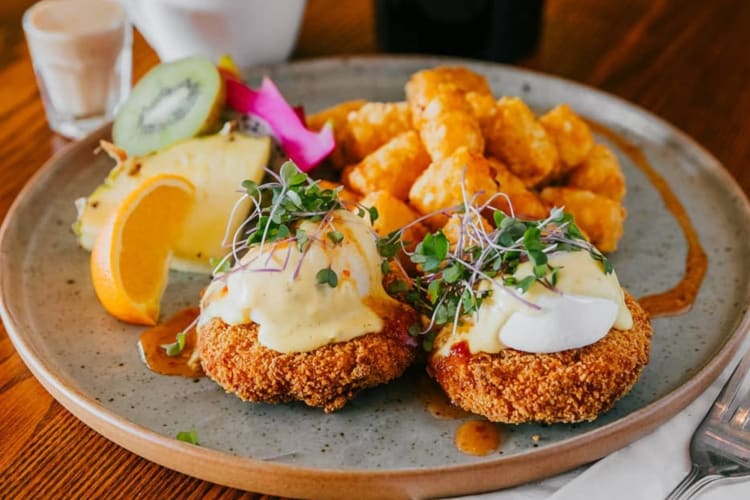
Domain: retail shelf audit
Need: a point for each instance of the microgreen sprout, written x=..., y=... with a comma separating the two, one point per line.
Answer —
x=277, y=209
x=454, y=278
x=176, y=347
x=190, y=436
x=327, y=276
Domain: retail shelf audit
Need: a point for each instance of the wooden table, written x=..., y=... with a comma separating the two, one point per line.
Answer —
x=686, y=61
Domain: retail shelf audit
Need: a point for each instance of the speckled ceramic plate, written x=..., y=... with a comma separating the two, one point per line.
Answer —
x=385, y=443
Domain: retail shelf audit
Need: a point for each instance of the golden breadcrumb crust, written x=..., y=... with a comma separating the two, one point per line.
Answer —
x=570, y=386
x=326, y=377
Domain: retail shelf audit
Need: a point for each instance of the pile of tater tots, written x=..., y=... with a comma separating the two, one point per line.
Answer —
x=412, y=158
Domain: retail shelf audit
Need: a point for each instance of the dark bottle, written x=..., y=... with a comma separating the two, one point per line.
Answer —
x=495, y=30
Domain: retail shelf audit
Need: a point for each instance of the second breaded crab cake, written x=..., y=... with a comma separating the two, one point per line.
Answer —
x=560, y=353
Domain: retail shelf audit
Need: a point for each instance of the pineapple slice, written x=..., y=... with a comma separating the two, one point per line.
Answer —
x=216, y=165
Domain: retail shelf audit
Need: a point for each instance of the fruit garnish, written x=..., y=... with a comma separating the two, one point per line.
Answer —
x=216, y=165
x=173, y=101
x=130, y=259
x=228, y=67
x=304, y=147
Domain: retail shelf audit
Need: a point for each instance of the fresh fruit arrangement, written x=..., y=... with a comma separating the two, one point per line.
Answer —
x=215, y=164
x=129, y=258
x=172, y=102
x=171, y=128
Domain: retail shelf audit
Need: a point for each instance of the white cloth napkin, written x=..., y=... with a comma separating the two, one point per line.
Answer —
x=648, y=468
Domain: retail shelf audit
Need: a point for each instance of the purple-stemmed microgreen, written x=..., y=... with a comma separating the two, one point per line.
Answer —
x=449, y=284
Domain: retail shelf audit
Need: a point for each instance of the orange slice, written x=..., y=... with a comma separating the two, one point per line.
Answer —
x=130, y=258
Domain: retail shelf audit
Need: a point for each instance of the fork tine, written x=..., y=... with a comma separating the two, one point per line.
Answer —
x=720, y=446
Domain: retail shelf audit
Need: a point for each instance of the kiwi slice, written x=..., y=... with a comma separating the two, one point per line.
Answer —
x=173, y=101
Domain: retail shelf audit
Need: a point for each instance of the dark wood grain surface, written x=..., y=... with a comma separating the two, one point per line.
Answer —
x=685, y=60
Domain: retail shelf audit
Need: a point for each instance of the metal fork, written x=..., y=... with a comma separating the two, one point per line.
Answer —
x=720, y=447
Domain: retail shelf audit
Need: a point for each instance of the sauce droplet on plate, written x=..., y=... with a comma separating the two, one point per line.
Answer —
x=436, y=401
x=155, y=357
x=478, y=437
x=680, y=298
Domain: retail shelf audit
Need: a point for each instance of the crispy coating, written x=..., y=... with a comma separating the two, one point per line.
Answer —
x=425, y=85
x=393, y=167
x=570, y=386
x=452, y=228
x=447, y=98
x=600, y=218
x=599, y=173
x=337, y=115
x=570, y=134
x=440, y=185
x=373, y=125
x=525, y=203
x=446, y=133
x=440, y=112
x=326, y=377
x=520, y=141
x=394, y=214
x=483, y=107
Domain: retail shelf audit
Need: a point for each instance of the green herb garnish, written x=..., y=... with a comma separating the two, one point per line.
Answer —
x=327, y=276
x=279, y=206
x=335, y=236
x=448, y=288
x=176, y=347
x=188, y=436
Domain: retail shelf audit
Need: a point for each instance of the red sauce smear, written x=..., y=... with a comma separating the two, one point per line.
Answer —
x=460, y=350
x=478, y=437
x=681, y=297
x=155, y=357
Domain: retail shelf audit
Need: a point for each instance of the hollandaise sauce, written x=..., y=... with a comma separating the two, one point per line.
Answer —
x=304, y=297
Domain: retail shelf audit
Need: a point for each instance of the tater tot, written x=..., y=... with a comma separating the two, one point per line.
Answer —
x=448, y=98
x=600, y=218
x=525, y=203
x=394, y=214
x=483, y=107
x=452, y=228
x=444, y=134
x=350, y=198
x=507, y=181
x=570, y=134
x=373, y=125
x=440, y=186
x=441, y=113
x=392, y=167
x=600, y=173
x=519, y=140
x=337, y=116
x=424, y=85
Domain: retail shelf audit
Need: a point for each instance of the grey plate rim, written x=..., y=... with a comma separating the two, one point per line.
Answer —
x=274, y=478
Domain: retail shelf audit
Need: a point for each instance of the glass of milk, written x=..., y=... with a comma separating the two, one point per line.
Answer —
x=82, y=56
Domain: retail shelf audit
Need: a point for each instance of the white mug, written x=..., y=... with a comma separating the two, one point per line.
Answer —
x=251, y=31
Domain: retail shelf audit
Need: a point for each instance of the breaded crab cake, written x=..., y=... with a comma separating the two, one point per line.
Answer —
x=574, y=385
x=325, y=377
x=306, y=318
